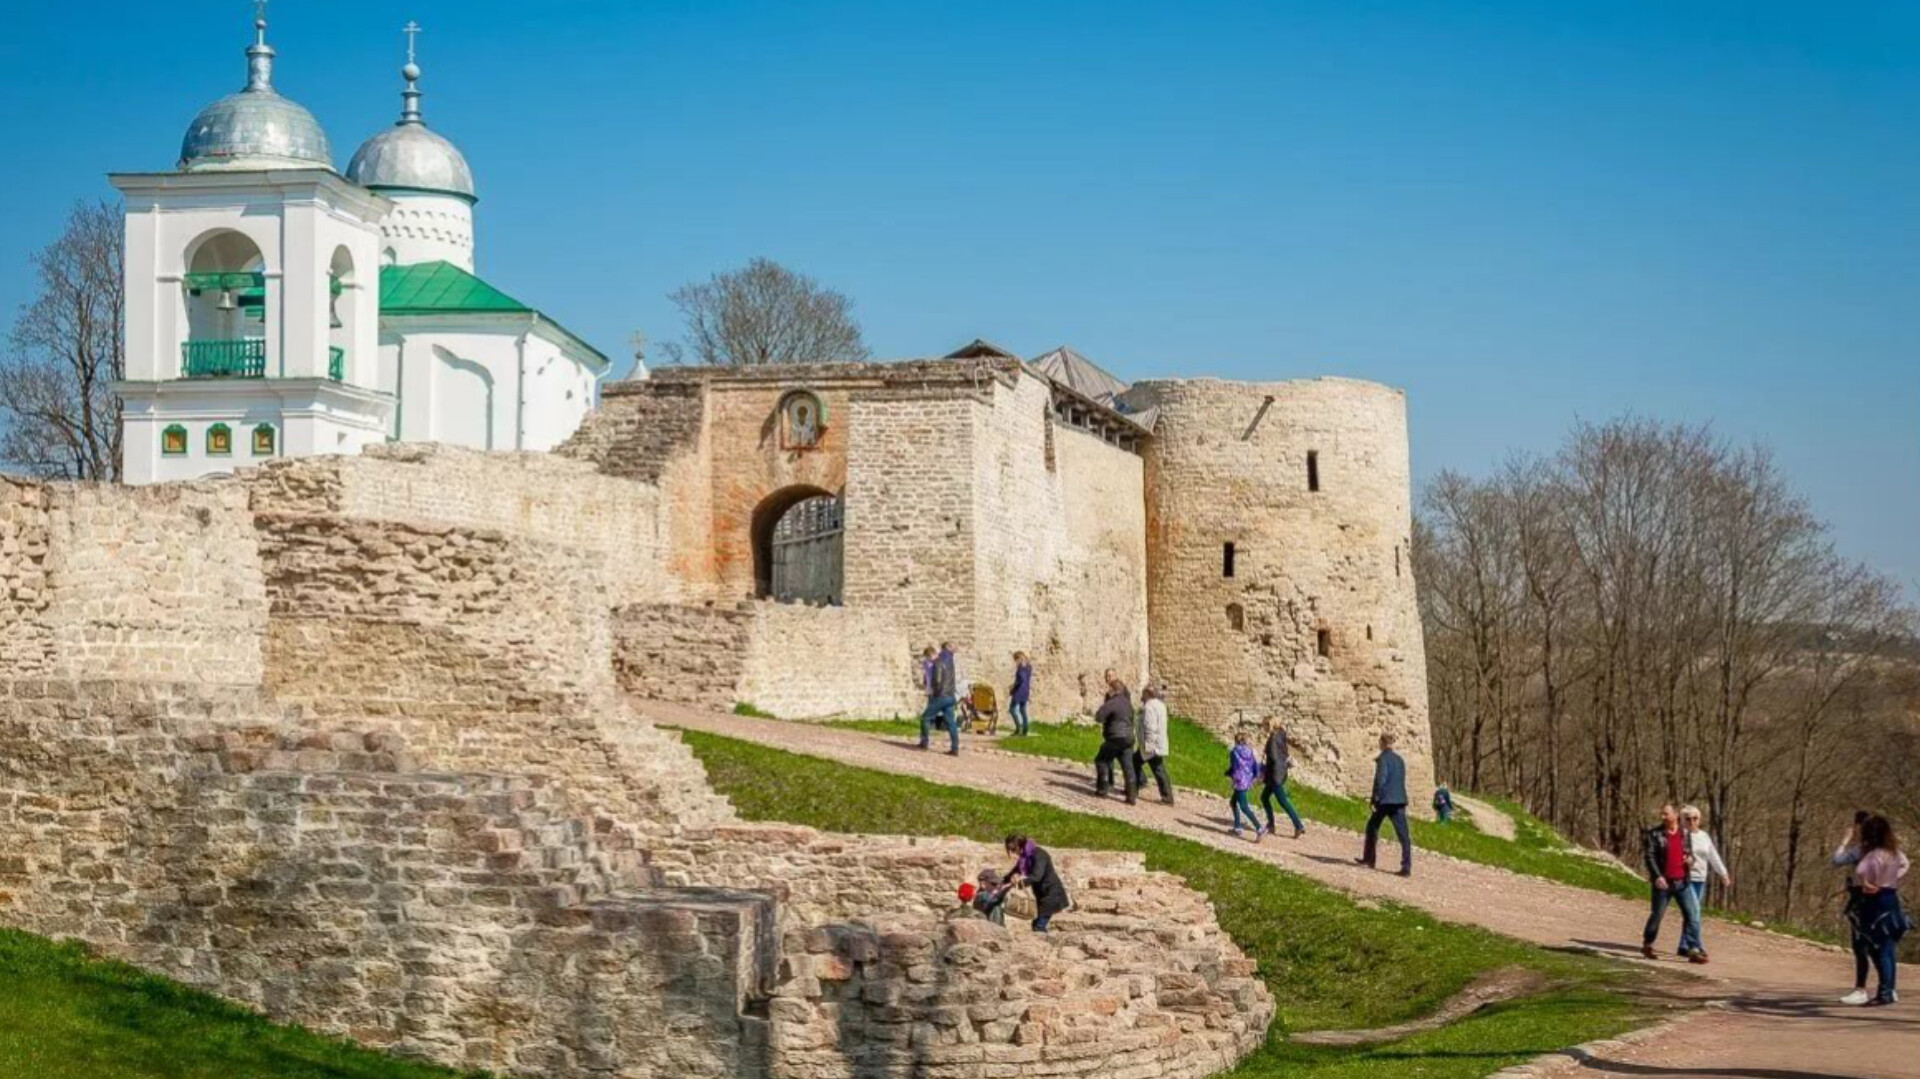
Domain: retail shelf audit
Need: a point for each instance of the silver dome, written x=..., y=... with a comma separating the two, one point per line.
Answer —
x=255, y=128
x=409, y=155
x=412, y=156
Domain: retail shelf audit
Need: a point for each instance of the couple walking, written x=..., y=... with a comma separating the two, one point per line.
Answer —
x=1134, y=741
x=1678, y=855
x=1242, y=769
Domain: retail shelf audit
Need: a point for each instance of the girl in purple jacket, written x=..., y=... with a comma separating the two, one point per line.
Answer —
x=1242, y=767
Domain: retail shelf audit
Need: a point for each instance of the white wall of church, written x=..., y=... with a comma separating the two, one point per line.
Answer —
x=513, y=388
x=425, y=227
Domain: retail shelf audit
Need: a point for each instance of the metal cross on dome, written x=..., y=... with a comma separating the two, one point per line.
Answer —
x=412, y=30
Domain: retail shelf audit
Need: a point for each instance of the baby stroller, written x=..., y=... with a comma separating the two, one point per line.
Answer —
x=980, y=710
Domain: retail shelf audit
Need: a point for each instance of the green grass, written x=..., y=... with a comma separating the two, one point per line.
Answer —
x=1330, y=963
x=743, y=708
x=1196, y=758
x=64, y=1015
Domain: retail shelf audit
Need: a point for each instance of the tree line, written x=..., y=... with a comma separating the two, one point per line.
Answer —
x=1652, y=614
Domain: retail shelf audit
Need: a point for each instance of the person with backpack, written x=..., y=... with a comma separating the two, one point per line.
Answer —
x=1880, y=870
x=1241, y=770
x=1278, y=764
x=941, y=701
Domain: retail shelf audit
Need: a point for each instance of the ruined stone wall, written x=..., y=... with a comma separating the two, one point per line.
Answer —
x=1061, y=571
x=538, y=496
x=788, y=660
x=686, y=653
x=432, y=826
x=152, y=584
x=1229, y=464
x=806, y=662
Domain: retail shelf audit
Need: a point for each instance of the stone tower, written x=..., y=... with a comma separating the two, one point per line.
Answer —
x=1278, y=575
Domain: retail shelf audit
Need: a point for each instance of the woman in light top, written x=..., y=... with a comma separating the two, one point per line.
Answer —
x=1705, y=859
x=1879, y=873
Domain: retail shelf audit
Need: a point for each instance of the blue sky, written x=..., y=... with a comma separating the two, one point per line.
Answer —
x=1524, y=214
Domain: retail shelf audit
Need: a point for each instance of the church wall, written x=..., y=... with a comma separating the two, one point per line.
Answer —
x=1061, y=571
x=1228, y=464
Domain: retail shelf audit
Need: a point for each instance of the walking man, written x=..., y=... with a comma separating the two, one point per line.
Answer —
x=1389, y=803
x=1116, y=730
x=1668, y=856
x=1278, y=764
x=941, y=701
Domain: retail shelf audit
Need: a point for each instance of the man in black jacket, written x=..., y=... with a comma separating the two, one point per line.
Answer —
x=1116, y=731
x=1389, y=803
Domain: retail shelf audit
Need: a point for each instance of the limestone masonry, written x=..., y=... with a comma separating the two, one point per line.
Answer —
x=362, y=741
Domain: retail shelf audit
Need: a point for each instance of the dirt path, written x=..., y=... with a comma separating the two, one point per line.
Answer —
x=1780, y=1019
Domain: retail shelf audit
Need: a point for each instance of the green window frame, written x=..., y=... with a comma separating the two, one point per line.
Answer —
x=173, y=441
x=264, y=440
x=219, y=441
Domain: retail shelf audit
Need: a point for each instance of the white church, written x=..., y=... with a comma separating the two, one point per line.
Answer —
x=278, y=308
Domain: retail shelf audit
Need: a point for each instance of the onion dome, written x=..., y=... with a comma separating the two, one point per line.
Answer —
x=410, y=156
x=255, y=128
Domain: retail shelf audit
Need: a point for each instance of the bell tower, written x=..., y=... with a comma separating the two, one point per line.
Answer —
x=252, y=293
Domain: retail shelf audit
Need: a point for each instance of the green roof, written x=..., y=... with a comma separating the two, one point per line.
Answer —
x=441, y=288
x=433, y=287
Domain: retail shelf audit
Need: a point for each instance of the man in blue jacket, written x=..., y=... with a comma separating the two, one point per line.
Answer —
x=1389, y=803
x=941, y=700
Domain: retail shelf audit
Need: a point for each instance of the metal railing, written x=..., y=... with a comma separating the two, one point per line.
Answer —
x=244, y=358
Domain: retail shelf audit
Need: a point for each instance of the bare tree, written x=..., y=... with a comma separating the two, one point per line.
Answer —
x=1654, y=614
x=765, y=313
x=67, y=348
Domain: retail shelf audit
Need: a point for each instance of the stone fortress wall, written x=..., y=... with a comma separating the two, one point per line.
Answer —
x=1316, y=621
x=972, y=516
x=374, y=774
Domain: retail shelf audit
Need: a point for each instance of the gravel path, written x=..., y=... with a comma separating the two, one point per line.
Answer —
x=1779, y=1019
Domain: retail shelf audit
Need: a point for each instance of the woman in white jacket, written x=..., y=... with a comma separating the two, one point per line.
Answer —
x=1702, y=857
x=1150, y=743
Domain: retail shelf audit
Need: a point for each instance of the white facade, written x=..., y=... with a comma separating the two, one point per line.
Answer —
x=254, y=323
x=301, y=251
x=427, y=227
x=509, y=381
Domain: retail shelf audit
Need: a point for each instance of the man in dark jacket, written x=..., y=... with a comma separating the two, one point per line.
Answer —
x=941, y=701
x=1389, y=803
x=1116, y=731
x=1667, y=854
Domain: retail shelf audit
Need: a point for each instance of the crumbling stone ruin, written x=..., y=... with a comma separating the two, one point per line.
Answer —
x=1245, y=544
x=340, y=738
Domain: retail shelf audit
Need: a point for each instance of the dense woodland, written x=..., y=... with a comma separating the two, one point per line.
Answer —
x=1653, y=614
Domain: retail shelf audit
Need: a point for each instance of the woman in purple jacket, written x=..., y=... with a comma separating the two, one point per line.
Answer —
x=1242, y=767
x=1018, y=693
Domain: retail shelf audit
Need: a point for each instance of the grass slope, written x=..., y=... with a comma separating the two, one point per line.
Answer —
x=1331, y=963
x=1196, y=758
x=65, y=1015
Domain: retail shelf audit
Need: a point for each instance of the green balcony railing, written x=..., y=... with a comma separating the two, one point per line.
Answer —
x=336, y=364
x=245, y=358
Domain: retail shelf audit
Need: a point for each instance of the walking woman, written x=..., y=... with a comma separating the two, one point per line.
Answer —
x=1846, y=856
x=1018, y=693
x=1879, y=874
x=1706, y=858
x=1241, y=770
x=1034, y=866
x=1150, y=747
x=1278, y=764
